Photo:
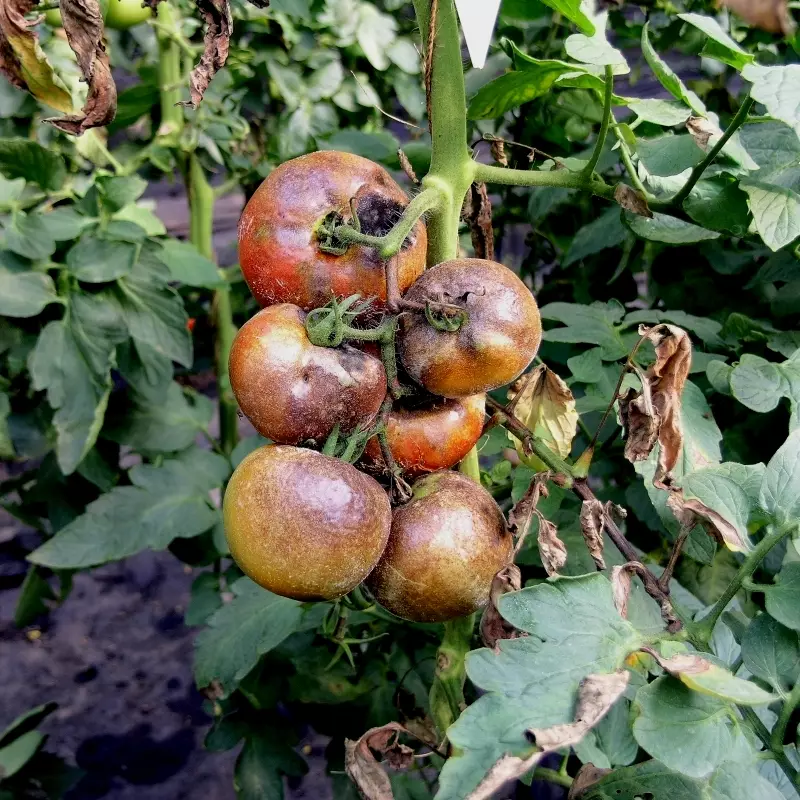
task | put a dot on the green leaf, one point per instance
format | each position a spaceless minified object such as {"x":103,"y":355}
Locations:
{"x":253,"y":623}
{"x":739,"y":780}
{"x":782,"y":598}
{"x":187,"y":265}
{"x":513,"y":89}
{"x":572,"y":10}
{"x":143,"y":216}
{"x":771,"y":652}
{"x":604,"y":232}
{"x":205,"y":599}
{"x":14,"y":756}
{"x":649,"y":779}
{"x":720,"y":205}
{"x":613,"y":736}
{"x":706,"y":329}
{"x":24,"y":158}
{"x":117,"y":192}
{"x":780,"y":488}
{"x":163,"y":428}
{"x":663,"y":228}
{"x":595,"y":49}
{"x":669,"y":154}
{"x":147,"y":371}
{"x":97,"y":260}
{"x":26,"y":722}
{"x":588,"y":324}
{"x":6,"y":445}
{"x":660,"y":112}
{"x":667,"y":78}
{"x":264,"y":760}
{"x":775,"y":147}
{"x":63,"y":224}
{"x":27,"y":235}
{"x":689,"y":732}
{"x":723,"y":48}
{"x":72,"y":361}
{"x":776,"y":212}
{"x":375,"y":33}
{"x":778,"y":88}
{"x":24,"y":293}
{"x":533,"y":681}
{"x":757,"y":383}
{"x":162,"y":504}
{"x":376,"y":145}
{"x":33,"y":599}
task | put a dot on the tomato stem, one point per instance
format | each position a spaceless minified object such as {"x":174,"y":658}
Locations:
{"x":169,"y":74}
{"x":588,"y":170}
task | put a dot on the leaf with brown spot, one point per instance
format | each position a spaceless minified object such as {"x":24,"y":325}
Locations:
{"x":659,"y":403}
{"x":688,"y":512}
{"x":22,"y":59}
{"x":588,"y":775}
{"x":493,"y":626}
{"x":702,"y":129}
{"x":219,"y":26}
{"x":83,"y":24}
{"x":592,"y":519}
{"x":547,"y":407}
{"x":364,"y":769}
{"x":521,"y":515}
{"x":769,"y":15}
{"x":477,"y":213}
{"x":632,"y":200}
{"x":596,"y":696}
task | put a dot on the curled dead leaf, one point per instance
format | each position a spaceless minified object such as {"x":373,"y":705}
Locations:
{"x":658,"y":406}
{"x":520,"y":516}
{"x":493,"y":626}
{"x":216,"y":41}
{"x":596,"y":695}
{"x":632,"y":200}
{"x":405,"y":164}
{"x":588,"y":775}
{"x":477,"y":213}
{"x":498,"y":151}
{"x":621,"y":578}
{"x":592,"y":519}
{"x":552,"y":550}
{"x":769,"y":15}
{"x":702,"y":129}
{"x":689,"y":512}
{"x":365,"y":770}
{"x":547,"y":407}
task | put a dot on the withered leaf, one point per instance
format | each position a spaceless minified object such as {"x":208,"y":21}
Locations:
{"x":23,"y":61}
{"x":659,"y":402}
{"x":632,"y":200}
{"x":520,"y":516}
{"x":621,"y":578}
{"x":588,"y":775}
{"x":83,"y":24}
{"x":498,"y":151}
{"x":687,"y":512}
{"x":405,"y":164}
{"x":596,"y":696}
{"x":362,"y":766}
{"x":769,"y":15}
{"x":547,"y":407}
{"x":493,"y":626}
{"x":216,"y":41}
{"x":477,"y":213}
{"x":702,"y":129}
{"x":551,"y":549}
{"x":592,"y":518}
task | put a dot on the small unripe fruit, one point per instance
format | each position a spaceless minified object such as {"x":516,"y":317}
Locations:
{"x":447,"y":544}
{"x":304,"y":525}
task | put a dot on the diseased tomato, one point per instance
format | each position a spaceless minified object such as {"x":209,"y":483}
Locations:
{"x":446,"y":545}
{"x":494,"y":346}
{"x":430,"y":437}
{"x":279,"y":248}
{"x":293,"y":391}
{"x":304,"y":525}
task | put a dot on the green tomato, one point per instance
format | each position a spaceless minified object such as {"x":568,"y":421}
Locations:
{"x":124,"y":14}
{"x":575,"y":129}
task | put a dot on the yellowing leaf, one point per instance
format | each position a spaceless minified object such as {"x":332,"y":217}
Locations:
{"x":546,"y":405}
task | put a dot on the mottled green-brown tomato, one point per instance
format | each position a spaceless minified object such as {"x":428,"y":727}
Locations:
{"x":280,"y":244}
{"x":447,"y":544}
{"x":304,"y":525}
{"x":293,"y":391}
{"x":496,"y":343}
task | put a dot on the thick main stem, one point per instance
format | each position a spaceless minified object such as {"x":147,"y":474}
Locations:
{"x":169,"y":74}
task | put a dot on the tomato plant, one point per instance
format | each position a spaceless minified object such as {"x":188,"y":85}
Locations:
{"x":602,"y":594}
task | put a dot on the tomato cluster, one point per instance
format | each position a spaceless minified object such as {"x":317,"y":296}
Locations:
{"x":310,"y":526}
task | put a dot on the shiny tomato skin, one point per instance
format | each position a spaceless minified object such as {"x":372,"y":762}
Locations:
{"x":124,"y":14}
{"x":432,"y":437}
{"x":304,"y":525}
{"x":494,"y":346}
{"x":447,"y":544}
{"x":293,"y":391}
{"x":278,"y":246}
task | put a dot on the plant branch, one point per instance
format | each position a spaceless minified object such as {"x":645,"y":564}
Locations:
{"x":625,"y":155}
{"x":552,"y":776}
{"x":778,"y":755}
{"x":789,"y":706}
{"x":588,"y":170}
{"x":697,"y":172}
{"x":666,"y":575}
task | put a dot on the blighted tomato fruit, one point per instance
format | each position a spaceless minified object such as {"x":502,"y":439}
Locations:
{"x":447,"y":544}
{"x":293,"y":391}
{"x":304,"y":525}
{"x":430,"y":436}
{"x":495,"y":344}
{"x":281,"y":249}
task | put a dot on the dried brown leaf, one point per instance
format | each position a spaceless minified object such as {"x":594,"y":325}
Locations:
{"x":632,"y":200}
{"x":551,"y":549}
{"x":621,"y":578}
{"x":588,"y":775}
{"x":592,"y":519}
{"x":520,"y":516}
{"x":406,"y":167}
{"x":640,"y":421}
{"x":365,"y":770}
{"x":498,"y":151}
{"x":687,"y":512}
{"x":769,"y":15}
{"x":83,"y":24}
{"x":596,"y":696}
{"x":23,"y":61}
{"x":477,"y":213}
{"x":219,"y":26}
{"x":702,"y":129}
{"x":493,"y":626}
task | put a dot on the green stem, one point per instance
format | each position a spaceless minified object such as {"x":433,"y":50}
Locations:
{"x":169,"y":73}
{"x":552,"y":776}
{"x":697,"y":172}
{"x":700,"y":632}
{"x":390,"y":244}
{"x":777,"y":754}
{"x":447,"y":691}
{"x":627,"y":160}
{"x":588,"y":170}
{"x":201,"y":226}
{"x":779,"y":731}
{"x":470,"y":465}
